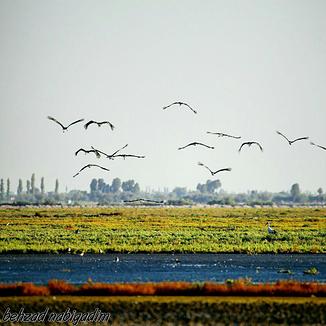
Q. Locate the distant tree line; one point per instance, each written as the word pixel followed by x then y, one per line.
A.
pixel 30 194
pixel 99 185
pixel 117 191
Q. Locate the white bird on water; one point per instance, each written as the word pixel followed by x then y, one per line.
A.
pixel 269 229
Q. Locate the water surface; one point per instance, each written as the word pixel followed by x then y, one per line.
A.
pixel 158 267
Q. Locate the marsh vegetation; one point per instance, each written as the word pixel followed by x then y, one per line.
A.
pixel 100 230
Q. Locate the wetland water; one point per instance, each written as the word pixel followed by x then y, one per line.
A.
pixel 39 268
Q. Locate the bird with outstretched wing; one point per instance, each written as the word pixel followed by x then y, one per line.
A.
pixel 143 200
pixel 214 172
pixel 118 150
pixel 99 124
pixel 195 144
pixel 249 143
pixel 291 141
pixel 180 104
pixel 322 147
pixel 128 155
pixel 115 154
pixel 93 150
pixel 89 166
pixel 221 134
pixel 64 128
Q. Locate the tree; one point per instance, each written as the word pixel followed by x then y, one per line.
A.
pixel 201 187
pixel 210 186
pixel 20 187
pixel 42 186
pixel 93 185
pixel 136 188
pixel 33 183
pixel 107 188
pixel 2 190
pixel 8 188
pixel 56 188
pixel 101 185
pixel 295 192
pixel 28 186
pixel 320 192
pixel 213 185
pixel 116 185
pixel 180 191
pixel 128 185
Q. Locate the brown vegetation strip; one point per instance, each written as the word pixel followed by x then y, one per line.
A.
pixel 236 288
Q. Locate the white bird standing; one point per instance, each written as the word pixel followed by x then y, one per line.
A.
pixel 269 229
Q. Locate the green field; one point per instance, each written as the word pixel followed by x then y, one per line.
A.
pixel 94 230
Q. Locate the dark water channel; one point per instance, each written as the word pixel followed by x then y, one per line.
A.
pixel 159 267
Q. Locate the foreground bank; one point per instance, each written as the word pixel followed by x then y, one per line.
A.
pixel 163 310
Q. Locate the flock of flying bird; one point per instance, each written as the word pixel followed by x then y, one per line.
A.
pixel 98 153
pixel 220 134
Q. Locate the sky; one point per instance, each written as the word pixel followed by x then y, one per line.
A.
pixel 248 67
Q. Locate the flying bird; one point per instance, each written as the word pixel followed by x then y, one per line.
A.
pixel 111 157
pixel 115 154
pixel 214 172
pixel 127 155
pixel 145 200
pixel 153 201
pixel 249 143
pixel 64 128
pixel 195 144
pixel 93 150
pixel 221 134
pixel 117 151
pixel 322 147
pixel 99 124
pixel 291 141
pixel 180 104
pixel 89 166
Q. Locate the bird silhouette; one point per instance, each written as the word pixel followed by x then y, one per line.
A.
pixel 99 124
pixel 127 155
pixel 291 141
pixel 221 134
pixel 195 144
pixel 145 200
pixel 322 147
pixel 89 166
pixel 64 128
pixel 115 154
pixel 109 156
pixel 249 143
pixel 214 172
pixel 118 150
pixel 180 104
pixel 93 150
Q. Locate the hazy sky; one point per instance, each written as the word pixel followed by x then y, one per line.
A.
pixel 248 67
